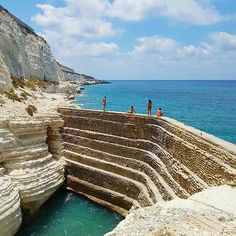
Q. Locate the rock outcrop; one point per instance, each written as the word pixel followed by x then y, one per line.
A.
pixel 122 160
pixel 210 212
pixel 10 212
pixel 31 158
pixel 71 75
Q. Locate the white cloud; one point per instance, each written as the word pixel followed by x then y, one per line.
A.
pixel 67 46
pixel 224 40
pixel 81 25
pixel 93 17
pixel 219 42
pixel 171 59
pixel 82 48
pixel 186 11
pixel 81 33
pixel 155 44
pixel 80 18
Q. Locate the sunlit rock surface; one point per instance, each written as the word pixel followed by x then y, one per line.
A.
pixel 10 212
pixel 31 155
pixel 210 212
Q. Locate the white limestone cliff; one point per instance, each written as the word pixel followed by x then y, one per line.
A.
pixel 5 82
pixel 23 53
pixel 10 212
pixel 32 167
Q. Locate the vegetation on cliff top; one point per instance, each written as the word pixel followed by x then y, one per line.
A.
pixel 32 83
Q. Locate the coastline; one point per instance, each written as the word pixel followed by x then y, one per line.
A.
pixel 163 175
pixel 48 100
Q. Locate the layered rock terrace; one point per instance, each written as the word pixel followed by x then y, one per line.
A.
pixel 31 166
pixel 124 161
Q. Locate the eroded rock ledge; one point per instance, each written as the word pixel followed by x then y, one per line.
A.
pixel 124 161
pixel 31 166
pixel 210 212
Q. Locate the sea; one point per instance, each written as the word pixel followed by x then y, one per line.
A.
pixel 68 214
pixel 208 105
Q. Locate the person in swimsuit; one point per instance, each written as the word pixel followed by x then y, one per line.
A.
pixel 159 112
pixel 131 110
pixel 104 103
pixel 149 107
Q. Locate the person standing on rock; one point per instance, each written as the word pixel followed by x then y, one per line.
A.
pixel 104 103
pixel 149 107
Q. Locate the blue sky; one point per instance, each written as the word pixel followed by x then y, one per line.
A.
pixel 137 39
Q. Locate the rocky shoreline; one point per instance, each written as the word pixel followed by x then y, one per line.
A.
pixel 156 171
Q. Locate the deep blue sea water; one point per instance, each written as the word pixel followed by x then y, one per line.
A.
pixel 206 105
pixel 69 214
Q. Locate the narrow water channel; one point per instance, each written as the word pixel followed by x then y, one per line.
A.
pixel 67 213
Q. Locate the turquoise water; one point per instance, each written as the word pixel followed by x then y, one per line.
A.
pixel 206 105
pixel 67 213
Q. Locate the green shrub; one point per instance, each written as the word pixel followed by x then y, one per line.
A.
pixel 31 83
pixel 17 82
pixel 12 95
pixel 24 95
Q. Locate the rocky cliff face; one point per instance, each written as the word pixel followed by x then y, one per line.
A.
pixel 31 168
pixel 5 82
pixel 71 75
pixel 23 53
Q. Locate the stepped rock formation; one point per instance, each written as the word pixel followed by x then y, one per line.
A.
pixel 210 212
pixel 30 156
pixel 10 212
pixel 123 161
